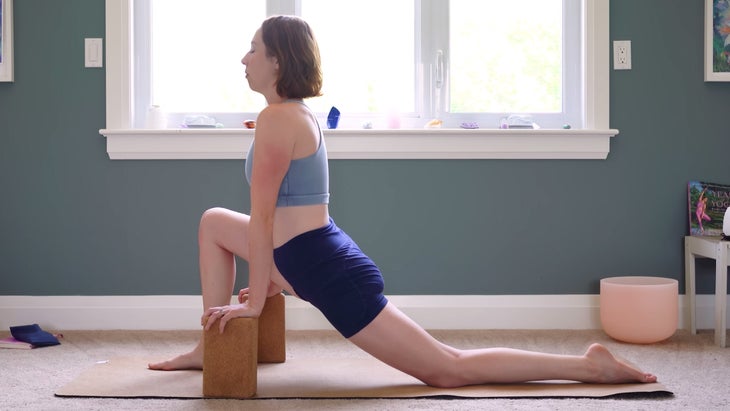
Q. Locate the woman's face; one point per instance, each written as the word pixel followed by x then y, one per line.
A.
pixel 260 69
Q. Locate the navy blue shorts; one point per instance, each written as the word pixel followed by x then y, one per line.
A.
pixel 326 268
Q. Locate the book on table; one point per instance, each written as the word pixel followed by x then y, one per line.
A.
pixel 707 203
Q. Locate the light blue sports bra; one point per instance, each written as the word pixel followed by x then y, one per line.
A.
pixel 307 180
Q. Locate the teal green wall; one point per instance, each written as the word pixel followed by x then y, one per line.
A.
pixel 74 222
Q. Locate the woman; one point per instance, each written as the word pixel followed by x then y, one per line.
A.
pixel 292 244
pixel 701 211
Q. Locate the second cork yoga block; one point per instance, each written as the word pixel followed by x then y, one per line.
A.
pixel 272 331
pixel 230 359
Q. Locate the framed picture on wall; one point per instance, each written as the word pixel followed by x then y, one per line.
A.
pixel 6 40
pixel 717 40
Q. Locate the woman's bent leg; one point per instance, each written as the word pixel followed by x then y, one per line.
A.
pixel 222 235
pixel 401 343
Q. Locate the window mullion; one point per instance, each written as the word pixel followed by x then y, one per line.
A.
pixel 287 7
pixel 142 46
pixel 573 63
pixel 434 40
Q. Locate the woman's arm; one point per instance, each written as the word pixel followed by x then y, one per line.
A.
pixel 274 148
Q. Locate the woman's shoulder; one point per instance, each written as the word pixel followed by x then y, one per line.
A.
pixel 273 111
pixel 278 122
pixel 284 115
pixel 282 109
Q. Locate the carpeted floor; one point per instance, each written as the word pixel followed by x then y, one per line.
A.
pixel 691 366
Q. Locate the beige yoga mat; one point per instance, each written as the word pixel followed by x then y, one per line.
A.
pixel 317 378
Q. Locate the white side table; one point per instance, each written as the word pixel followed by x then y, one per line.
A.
pixel 709 247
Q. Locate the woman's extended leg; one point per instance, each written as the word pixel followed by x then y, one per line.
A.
pixel 222 235
pixel 401 343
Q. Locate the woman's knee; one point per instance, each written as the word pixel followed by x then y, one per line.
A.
pixel 214 213
pixel 449 375
pixel 210 219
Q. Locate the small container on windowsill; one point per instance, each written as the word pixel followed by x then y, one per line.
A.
pixel 156 118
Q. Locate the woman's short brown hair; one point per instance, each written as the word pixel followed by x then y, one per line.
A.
pixel 290 40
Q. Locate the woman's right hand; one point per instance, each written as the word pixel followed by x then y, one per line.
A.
pixel 226 313
pixel 243 295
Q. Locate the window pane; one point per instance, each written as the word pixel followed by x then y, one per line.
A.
pixel 196 51
pixel 502 58
pixel 368 54
pixel 506 56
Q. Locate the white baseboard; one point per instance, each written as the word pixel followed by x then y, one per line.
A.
pixel 453 312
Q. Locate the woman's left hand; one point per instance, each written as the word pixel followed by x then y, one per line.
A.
pixel 225 313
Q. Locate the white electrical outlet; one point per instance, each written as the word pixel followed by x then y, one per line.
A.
pixel 622 55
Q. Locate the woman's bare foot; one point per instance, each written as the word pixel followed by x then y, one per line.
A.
pixel 190 361
pixel 608 369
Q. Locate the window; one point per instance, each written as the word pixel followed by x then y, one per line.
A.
pixel 189 58
pixel 546 58
pixel 368 71
pixel 508 57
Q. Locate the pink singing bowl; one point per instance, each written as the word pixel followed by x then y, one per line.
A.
pixel 639 310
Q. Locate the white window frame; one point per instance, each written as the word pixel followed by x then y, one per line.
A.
pixel 591 142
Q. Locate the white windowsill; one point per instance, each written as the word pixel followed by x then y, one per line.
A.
pixel 190 144
pixel 124 143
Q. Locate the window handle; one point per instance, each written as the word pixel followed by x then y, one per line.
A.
pixel 439 68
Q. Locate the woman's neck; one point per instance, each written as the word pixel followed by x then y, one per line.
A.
pixel 274 98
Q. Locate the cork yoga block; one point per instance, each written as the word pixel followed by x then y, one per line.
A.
pixel 272 331
pixel 230 359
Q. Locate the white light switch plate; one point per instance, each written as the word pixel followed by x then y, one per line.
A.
pixel 93 53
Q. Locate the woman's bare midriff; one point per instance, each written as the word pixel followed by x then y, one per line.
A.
pixel 289 222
